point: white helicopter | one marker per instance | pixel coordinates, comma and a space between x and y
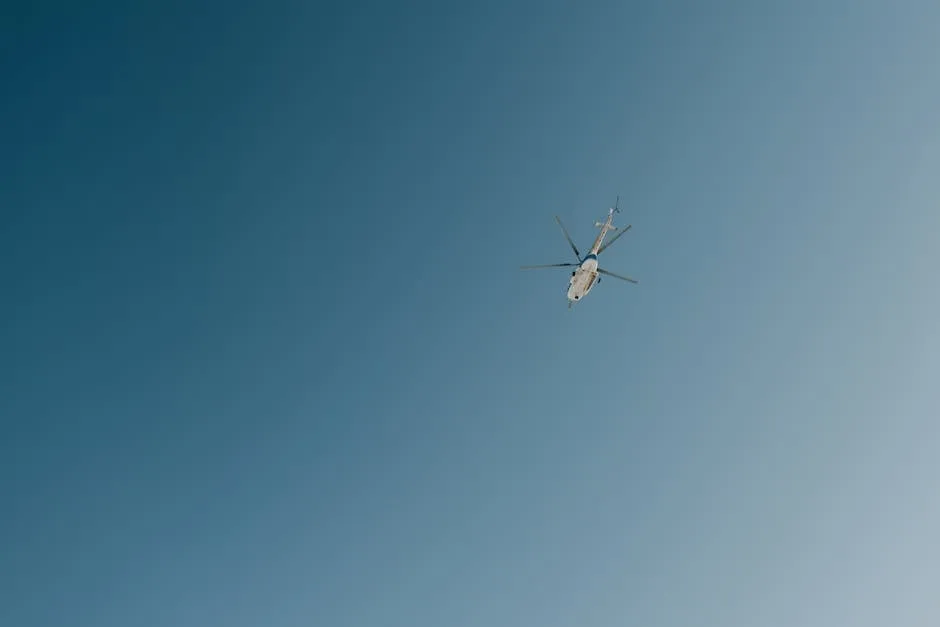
587, 273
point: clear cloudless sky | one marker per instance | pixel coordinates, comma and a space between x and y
267, 358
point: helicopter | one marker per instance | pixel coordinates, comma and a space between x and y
587, 273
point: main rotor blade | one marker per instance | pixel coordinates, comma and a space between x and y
549, 265
568, 237
617, 276
613, 239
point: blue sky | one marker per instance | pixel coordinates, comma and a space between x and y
268, 359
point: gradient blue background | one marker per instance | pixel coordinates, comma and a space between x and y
267, 359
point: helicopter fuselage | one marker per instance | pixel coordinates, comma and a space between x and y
583, 279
